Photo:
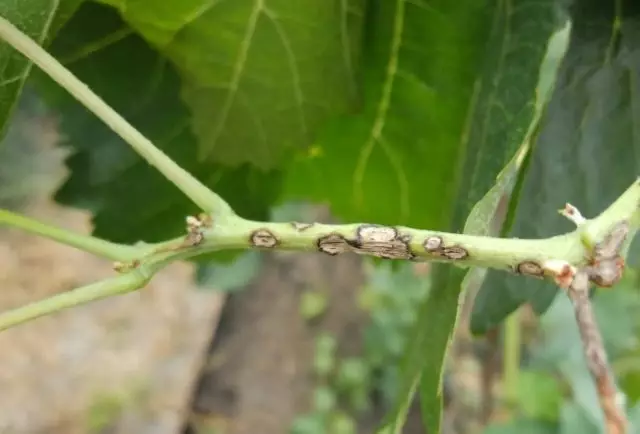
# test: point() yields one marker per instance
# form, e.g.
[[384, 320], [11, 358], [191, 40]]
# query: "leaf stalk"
[[102, 248]]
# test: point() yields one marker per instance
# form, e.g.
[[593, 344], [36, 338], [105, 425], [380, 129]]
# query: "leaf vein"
[[257, 122], [507, 9], [238, 70], [403, 183], [297, 88], [344, 40], [383, 104]]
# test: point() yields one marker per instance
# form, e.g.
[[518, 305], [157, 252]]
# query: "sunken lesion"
[[432, 244], [530, 268], [263, 238], [455, 252], [382, 241], [435, 246], [333, 244], [195, 229]]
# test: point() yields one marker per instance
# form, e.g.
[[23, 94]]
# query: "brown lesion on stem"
[[125, 267], [386, 242], [333, 244], [195, 236], [195, 230], [436, 246], [530, 268], [382, 241], [263, 239]]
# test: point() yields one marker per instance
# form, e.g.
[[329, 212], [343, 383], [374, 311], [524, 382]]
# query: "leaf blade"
[[260, 78], [38, 19], [129, 200], [493, 138], [488, 142], [575, 159]]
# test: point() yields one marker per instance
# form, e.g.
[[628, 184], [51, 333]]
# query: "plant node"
[[195, 229], [125, 267], [573, 214]]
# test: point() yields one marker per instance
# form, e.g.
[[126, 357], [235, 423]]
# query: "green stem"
[[386, 241], [202, 196], [96, 291], [105, 249], [97, 45], [512, 356], [392, 242]]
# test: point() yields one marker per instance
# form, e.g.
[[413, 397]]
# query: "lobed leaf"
[[129, 199], [395, 162], [260, 77]]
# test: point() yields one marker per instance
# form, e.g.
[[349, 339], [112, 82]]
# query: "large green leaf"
[[395, 162], [260, 76], [587, 151], [39, 19], [129, 199], [501, 121], [449, 98]]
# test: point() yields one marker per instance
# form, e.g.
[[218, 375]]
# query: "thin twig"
[[96, 291], [596, 356], [604, 269], [99, 247]]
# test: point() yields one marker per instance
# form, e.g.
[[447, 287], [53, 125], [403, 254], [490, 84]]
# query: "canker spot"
[[333, 244], [530, 268], [455, 252], [263, 238], [432, 244]]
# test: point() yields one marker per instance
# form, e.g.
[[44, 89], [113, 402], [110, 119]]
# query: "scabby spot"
[[368, 234], [530, 268], [333, 244], [124, 267], [610, 247], [455, 252], [435, 246], [432, 244], [195, 229], [607, 272], [382, 241], [262, 238], [301, 227]]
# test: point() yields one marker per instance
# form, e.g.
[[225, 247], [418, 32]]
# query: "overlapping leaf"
[[260, 76], [129, 199], [443, 81], [396, 161], [587, 152], [39, 19], [500, 122]]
